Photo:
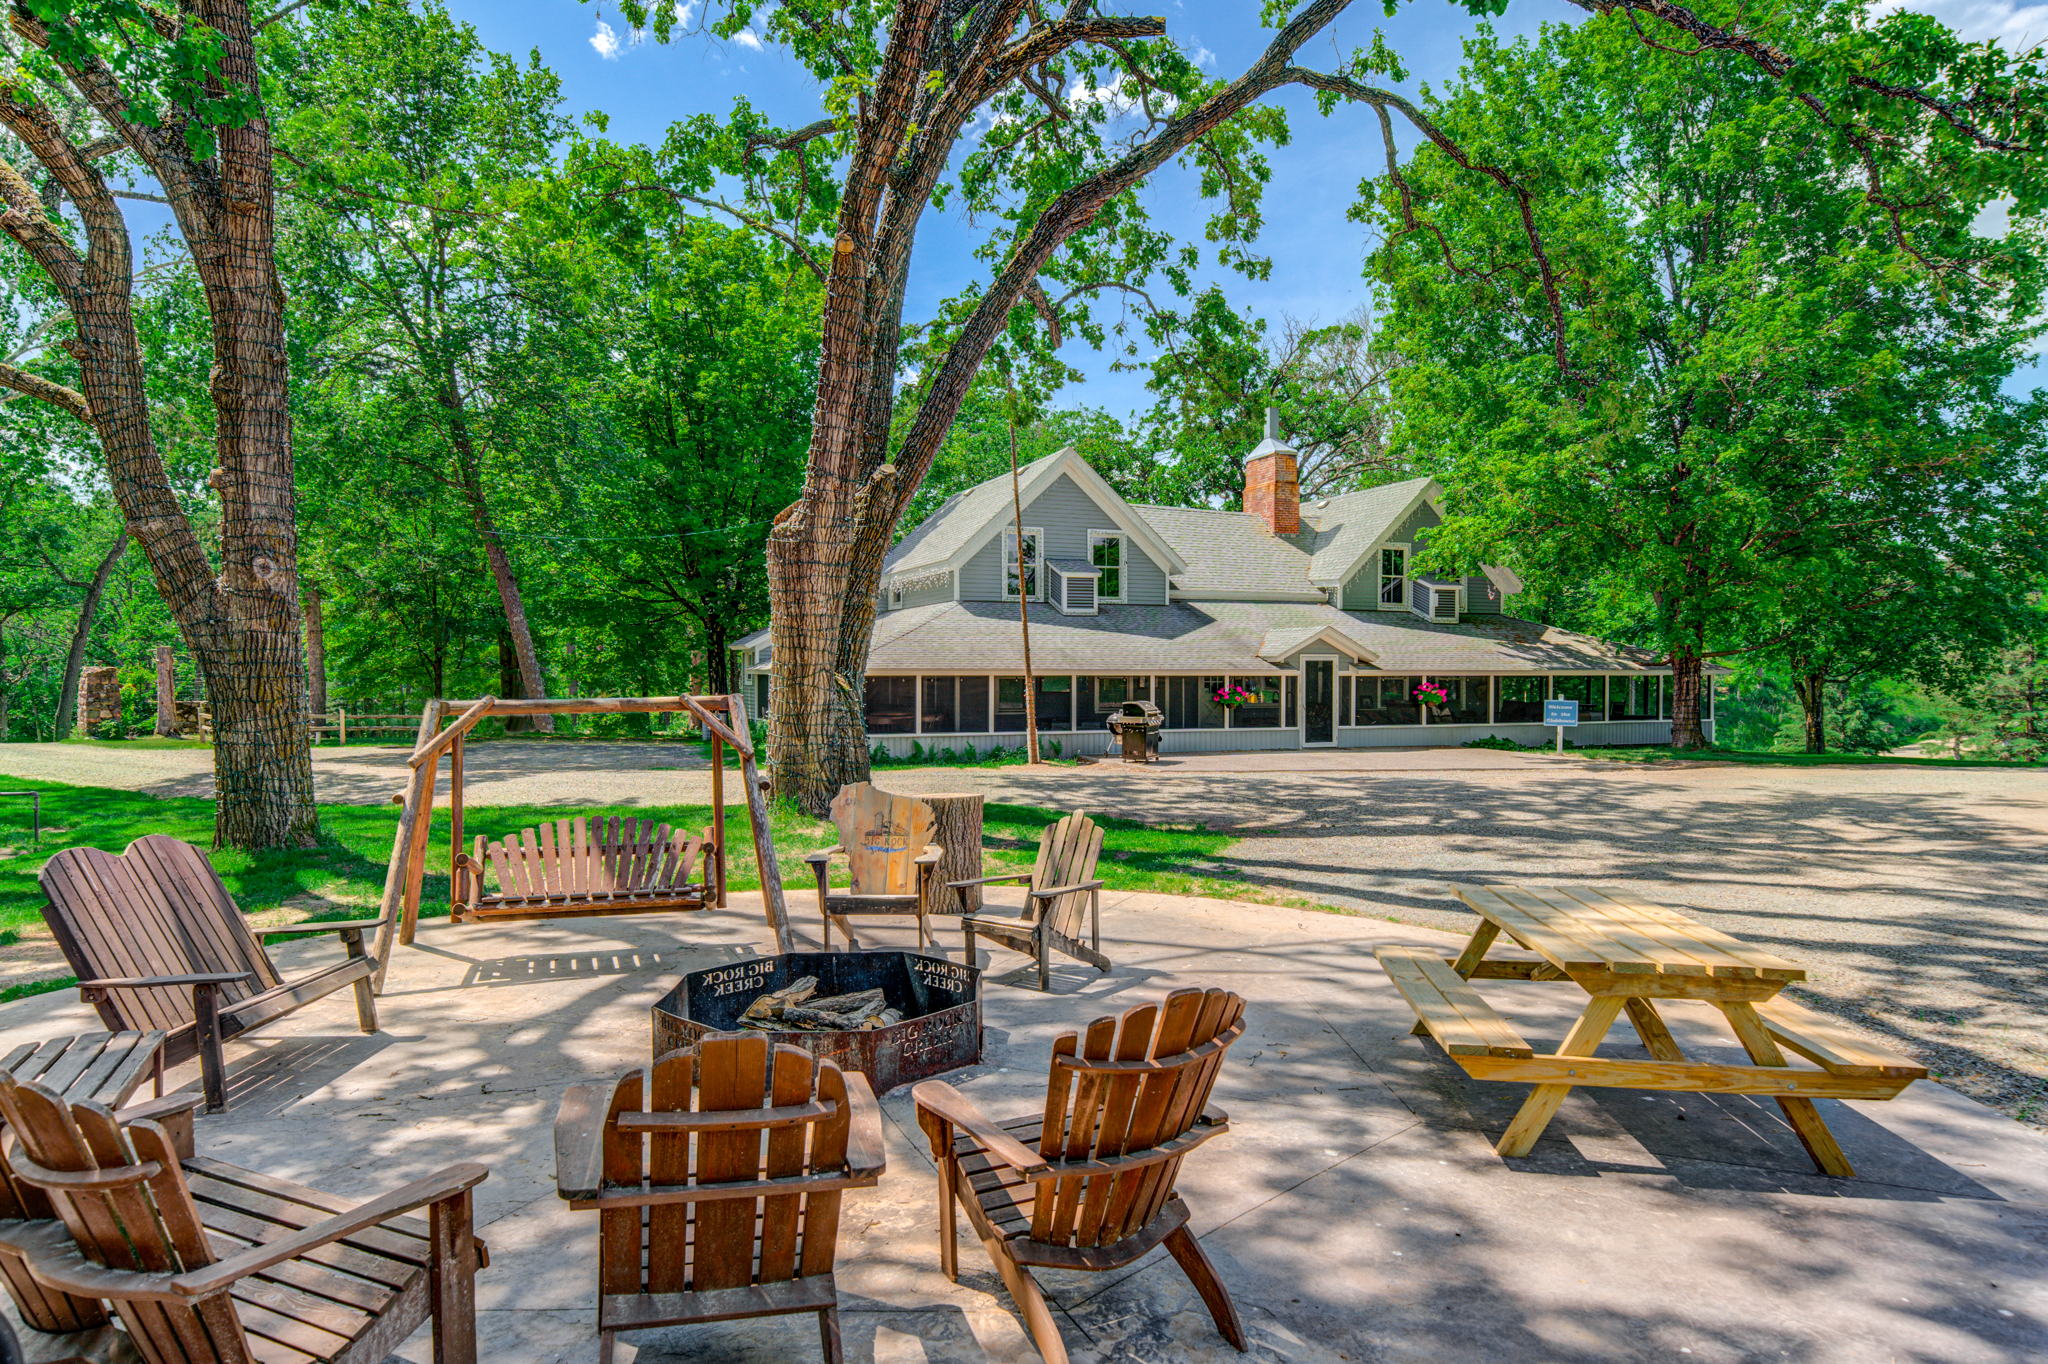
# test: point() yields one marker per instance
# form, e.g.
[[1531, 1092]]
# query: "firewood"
[[771, 1005]]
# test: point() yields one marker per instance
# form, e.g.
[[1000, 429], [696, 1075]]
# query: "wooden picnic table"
[[1627, 954]]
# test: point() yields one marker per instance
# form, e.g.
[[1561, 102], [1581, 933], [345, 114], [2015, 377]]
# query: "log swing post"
[[724, 720]]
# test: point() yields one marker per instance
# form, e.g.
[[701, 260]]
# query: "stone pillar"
[[99, 700], [166, 692]]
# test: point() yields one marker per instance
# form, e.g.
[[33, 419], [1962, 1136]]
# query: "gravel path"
[[1916, 897]]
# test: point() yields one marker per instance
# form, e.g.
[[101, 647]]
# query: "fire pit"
[[939, 1003]]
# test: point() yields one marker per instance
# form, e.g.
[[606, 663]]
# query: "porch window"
[[1009, 705], [1589, 692], [1387, 701], [892, 705], [760, 696], [1264, 713], [1190, 702], [1034, 552], [1634, 698], [1393, 576], [1055, 703], [1521, 700], [941, 705], [1103, 695], [1467, 704], [1106, 552], [973, 701]]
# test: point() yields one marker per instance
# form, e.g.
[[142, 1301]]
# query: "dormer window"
[[1438, 602], [1394, 576], [1026, 571]]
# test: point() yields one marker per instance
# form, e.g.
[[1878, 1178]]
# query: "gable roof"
[[1349, 525], [1232, 554], [970, 519]]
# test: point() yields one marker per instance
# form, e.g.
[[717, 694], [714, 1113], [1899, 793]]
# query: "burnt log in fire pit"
[[939, 1000]]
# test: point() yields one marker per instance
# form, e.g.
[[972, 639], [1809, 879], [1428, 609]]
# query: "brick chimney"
[[1272, 488]]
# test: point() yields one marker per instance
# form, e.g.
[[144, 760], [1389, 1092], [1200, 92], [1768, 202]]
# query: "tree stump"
[[959, 833], [166, 693]]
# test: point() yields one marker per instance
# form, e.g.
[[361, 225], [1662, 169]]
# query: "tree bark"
[[1686, 668], [316, 649], [81, 633], [166, 693], [1812, 690], [533, 684], [958, 831], [509, 685], [241, 620]]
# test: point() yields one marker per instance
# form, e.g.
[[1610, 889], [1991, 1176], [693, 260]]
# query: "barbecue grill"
[[1137, 724]]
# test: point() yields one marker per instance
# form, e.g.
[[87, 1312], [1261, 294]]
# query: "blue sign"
[[1561, 713]]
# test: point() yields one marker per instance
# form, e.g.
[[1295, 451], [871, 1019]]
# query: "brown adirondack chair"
[[1062, 884], [1088, 1184], [582, 866], [766, 1228], [890, 858], [158, 943], [204, 1261]]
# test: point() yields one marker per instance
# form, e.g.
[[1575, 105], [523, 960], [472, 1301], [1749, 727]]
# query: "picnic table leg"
[[1468, 960], [1649, 1025], [1542, 1103], [1805, 1118]]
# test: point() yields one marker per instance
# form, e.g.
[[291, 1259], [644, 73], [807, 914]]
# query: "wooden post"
[[343, 714], [454, 821], [718, 816], [416, 806], [772, 903], [959, 833], [166, 692]]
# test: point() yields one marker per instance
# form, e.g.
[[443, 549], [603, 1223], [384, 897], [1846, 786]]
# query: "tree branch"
[[44, 390]]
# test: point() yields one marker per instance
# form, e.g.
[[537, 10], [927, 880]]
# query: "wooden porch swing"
[[576, 866]]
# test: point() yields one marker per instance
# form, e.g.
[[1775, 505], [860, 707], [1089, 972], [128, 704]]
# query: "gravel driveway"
[[1916, 897]]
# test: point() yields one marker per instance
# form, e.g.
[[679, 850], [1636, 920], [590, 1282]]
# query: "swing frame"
[[724, 721]]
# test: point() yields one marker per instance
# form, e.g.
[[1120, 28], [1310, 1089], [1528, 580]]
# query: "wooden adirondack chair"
[[204, 1261], [581, 866], [766, 1223], [1062, 883], [1088, 1184], [890, 858], [158, 943]]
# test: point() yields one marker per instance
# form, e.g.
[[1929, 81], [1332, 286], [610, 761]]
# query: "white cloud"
[[2017, 25], [746, 37], [607, 43], [1202, 56], [686, 10]]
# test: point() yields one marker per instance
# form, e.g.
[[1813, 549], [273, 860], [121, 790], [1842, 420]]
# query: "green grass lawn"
[[1660, 753], [348, 865]]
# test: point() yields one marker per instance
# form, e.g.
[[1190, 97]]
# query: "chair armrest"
[[331, 926], [579, 1141], [949, 1105], [991, 880], [865, 1154], [220, 1274], [823, 854], [930, 856], [154, 982], [1052, 891]]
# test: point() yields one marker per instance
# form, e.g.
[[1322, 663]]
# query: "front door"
[[1319, 701]]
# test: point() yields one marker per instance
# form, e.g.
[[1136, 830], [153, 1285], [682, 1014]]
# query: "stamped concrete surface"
[[1356, 1210]]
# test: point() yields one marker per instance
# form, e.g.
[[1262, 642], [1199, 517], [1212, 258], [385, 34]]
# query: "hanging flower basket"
[[1230, 696], [1431, 694]]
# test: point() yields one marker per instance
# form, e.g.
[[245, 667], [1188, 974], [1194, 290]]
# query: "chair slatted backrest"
[[1066, 857], [158, 909], [883, 836], [579, 856], [789, 1117], [1121, 1088], [133, 1212]]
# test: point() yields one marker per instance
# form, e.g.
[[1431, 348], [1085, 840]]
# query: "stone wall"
[[99, 700]]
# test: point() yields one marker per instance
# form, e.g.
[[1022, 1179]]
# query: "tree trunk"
[[1685, 699], [533, 685], [316, 649], [958, 831], [1812, 690], [509, 685], [718, 658], [166, 693], [81, 634]]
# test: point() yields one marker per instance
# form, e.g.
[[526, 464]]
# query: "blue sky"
[[1316, 253]]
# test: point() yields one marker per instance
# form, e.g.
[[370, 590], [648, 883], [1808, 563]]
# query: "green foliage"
[[1770, 408], [965, 756]]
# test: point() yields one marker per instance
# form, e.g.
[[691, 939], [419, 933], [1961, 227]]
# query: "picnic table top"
[[104, 1067], [1579, 929]]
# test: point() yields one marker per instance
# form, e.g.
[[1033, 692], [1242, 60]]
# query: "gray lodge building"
[[1311, 608]]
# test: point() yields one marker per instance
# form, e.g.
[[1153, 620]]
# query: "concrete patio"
[[1356, 1210]]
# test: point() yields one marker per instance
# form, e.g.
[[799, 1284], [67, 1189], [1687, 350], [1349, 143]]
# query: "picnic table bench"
[[1627, 954]]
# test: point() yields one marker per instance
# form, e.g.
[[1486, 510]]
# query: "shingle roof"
[[959, 519], [1229, 551], [1347, 525], [1223, 637]]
